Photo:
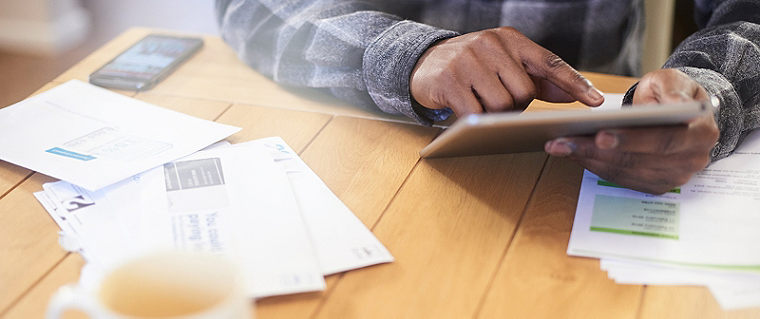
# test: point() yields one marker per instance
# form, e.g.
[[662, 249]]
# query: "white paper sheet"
[[235, 201], [104, 226], [702, 233], [637, 272], [737, 296], [612, 101], [340, 239], [711, 220], [731, 289], [92, 137], [246, 190]]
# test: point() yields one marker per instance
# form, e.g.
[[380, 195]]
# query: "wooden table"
[[480, 237]]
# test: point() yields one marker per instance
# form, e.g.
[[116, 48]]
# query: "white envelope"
[[234, 201], [341, 240], [93, 137]]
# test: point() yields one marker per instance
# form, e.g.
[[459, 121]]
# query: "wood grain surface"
[[473, 237]]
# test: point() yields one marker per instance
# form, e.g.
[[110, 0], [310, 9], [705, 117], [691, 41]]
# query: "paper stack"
[[705, 232], [134, 181]]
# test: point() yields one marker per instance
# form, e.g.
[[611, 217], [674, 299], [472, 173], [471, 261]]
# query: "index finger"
[[543, 63]]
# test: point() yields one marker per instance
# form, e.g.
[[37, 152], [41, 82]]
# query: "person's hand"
[[495, 70], [651, 159]]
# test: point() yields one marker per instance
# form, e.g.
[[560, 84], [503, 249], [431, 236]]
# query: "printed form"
[[702, 233], [711, 220], [93, 137]]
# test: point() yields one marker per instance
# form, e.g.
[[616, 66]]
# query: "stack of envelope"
[[703, 233], [133, 181]]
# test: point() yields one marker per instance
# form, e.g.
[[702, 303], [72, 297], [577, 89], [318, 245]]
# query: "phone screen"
[[143, 64]]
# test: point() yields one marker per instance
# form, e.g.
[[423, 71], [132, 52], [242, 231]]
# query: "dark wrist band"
[[628, 97]]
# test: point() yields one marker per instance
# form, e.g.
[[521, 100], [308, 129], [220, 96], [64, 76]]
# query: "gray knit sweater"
[[364, 51]]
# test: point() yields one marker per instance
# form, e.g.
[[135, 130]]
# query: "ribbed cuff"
[[388, 63]]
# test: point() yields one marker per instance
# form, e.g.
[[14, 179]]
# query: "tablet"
[[514, 132]]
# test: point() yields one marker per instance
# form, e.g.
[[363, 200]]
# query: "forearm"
[[358, 54]]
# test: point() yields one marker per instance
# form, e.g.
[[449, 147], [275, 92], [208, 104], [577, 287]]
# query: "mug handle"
[[71, 297]]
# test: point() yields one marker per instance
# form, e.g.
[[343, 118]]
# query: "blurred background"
[[39, 39]]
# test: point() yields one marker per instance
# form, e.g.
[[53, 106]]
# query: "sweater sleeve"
[[359, 54], [724, 57]]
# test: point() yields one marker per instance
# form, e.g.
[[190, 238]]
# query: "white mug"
[[161, 285]]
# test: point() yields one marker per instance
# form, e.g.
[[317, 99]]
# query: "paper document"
[[681, 226], [341, 240], [612, 101], [234, 201], [103, 225], [257, 202], [240, 193], [732, 290], [92, 137], [702, 233]]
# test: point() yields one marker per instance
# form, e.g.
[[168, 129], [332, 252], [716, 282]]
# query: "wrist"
[[388, 64]]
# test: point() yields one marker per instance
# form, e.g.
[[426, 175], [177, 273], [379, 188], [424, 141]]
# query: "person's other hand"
[[495, 70], [652, 159]]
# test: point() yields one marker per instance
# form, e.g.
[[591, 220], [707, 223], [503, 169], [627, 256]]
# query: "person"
[[427, 59]]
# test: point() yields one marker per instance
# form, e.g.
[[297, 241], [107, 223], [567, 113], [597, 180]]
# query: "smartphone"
[[146, 63]]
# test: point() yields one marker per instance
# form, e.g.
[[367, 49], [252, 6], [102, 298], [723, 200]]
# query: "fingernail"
[[548, 146], [595, 94], [559, 147], [606, 140]]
